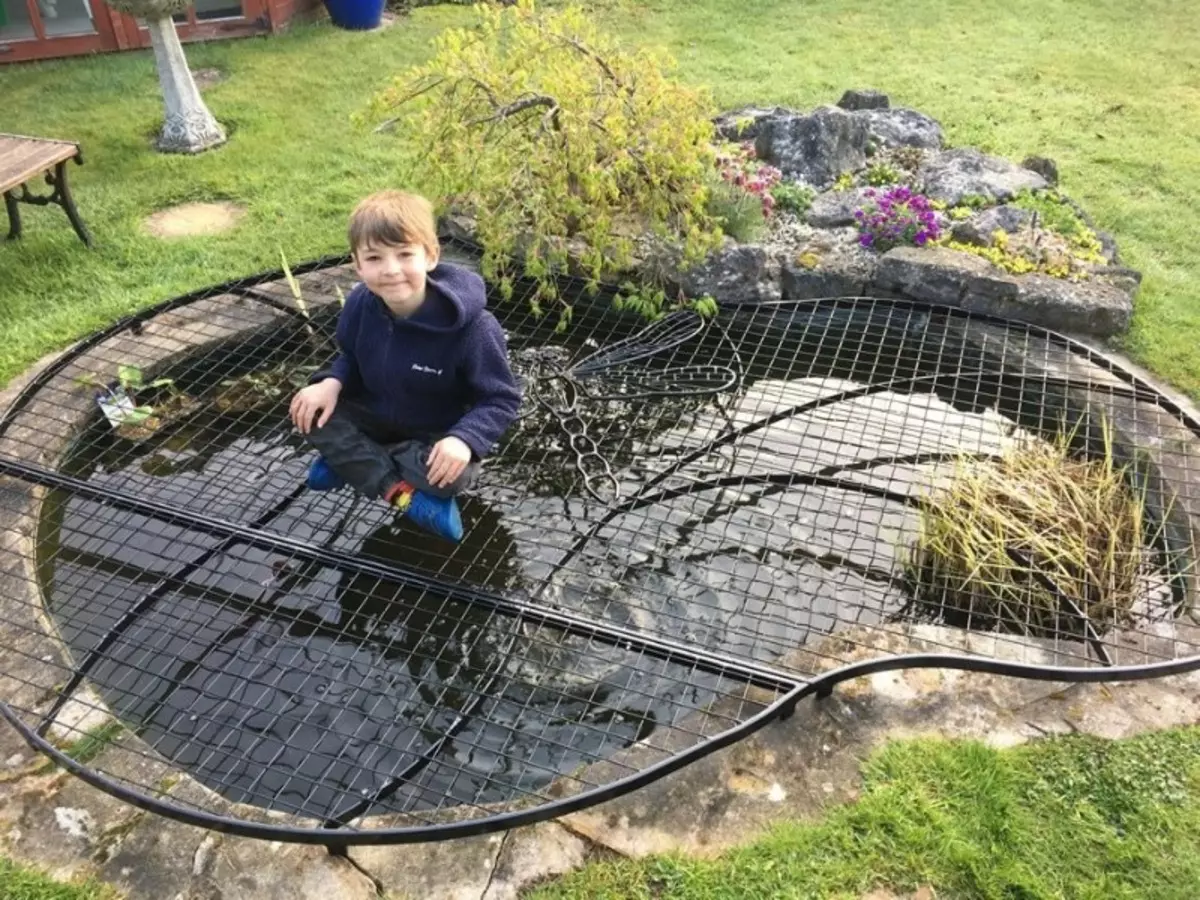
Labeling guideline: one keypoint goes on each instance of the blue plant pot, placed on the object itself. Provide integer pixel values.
(355, 15)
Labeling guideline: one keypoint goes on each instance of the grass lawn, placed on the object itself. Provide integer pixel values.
(22, 884)
(1108, 88)
(1076, 819)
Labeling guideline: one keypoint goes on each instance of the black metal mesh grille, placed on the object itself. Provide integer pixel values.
(693, 523)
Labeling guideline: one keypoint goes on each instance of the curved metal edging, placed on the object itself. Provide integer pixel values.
(237, 285)
(780, 708)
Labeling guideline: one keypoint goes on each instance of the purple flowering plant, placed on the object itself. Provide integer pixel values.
(896, 216)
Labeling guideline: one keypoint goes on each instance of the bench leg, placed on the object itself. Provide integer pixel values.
(14, 215)
(67, 202)
(60, 195)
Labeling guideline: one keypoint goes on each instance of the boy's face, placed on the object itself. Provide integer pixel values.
(395, 272)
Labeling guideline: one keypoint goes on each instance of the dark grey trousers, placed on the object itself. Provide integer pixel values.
(371, 455)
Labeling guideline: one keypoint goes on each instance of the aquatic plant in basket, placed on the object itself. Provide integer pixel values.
(1038, 541)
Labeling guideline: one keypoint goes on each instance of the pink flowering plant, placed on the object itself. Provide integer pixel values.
(739, 166)
(897, 216)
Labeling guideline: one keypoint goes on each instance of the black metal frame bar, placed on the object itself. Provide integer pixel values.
(656, 647)
(782, 708)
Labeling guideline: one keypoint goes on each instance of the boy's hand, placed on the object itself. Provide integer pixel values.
(317, 398)
(447, 460)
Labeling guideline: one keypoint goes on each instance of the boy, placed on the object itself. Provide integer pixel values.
(422, 370)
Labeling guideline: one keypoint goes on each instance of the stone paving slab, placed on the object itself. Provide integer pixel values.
(450, 870)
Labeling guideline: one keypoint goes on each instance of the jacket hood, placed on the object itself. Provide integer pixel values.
(454, 297)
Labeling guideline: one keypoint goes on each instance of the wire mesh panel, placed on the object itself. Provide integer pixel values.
(693, 523)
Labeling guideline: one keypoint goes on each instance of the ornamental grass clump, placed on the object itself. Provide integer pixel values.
(1038, 542)
(897, 217)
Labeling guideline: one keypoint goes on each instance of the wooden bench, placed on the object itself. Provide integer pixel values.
(23, 159)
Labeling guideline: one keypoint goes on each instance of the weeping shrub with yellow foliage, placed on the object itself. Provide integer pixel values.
(561, 144)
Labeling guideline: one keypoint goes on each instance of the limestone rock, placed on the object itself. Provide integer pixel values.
(844, 272)
(965, 172)
(1044, 166)
(530, 855)
(903, 128)
(835, 209)
(817, 147)
(864, 99)
(938, 275)
(980, 227)
(449, 870)
(745, 123)
(735, 274)
(1092, 307)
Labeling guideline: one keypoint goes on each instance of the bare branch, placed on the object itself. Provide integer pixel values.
(511, 109)
(491, 95)
(594, 57)
(388, 124)
(417, 92)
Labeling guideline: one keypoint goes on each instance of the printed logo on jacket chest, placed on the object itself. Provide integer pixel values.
(428, 370)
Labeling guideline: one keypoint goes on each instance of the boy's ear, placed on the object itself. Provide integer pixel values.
(431, 258)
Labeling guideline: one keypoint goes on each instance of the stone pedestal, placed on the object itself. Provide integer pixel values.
(189, 127)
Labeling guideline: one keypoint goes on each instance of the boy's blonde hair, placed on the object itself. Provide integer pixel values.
(393, 217)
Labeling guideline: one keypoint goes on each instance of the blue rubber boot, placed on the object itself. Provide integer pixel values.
(437, 514)
(322, 478)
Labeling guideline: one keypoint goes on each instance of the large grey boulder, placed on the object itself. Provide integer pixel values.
(815, 148)
(954, 175)
(835, 209)
(903, 128)
(737, 273)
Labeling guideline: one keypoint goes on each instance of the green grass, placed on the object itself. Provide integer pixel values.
(17, 883)
(92, 743)
(1108, 88)
(1076, 818)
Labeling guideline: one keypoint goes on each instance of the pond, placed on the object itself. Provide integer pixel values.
(742, 487)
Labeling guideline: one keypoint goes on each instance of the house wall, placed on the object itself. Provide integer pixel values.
(115, 31)
(281, 12)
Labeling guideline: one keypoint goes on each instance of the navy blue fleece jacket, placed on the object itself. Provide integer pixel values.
(442, 371)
